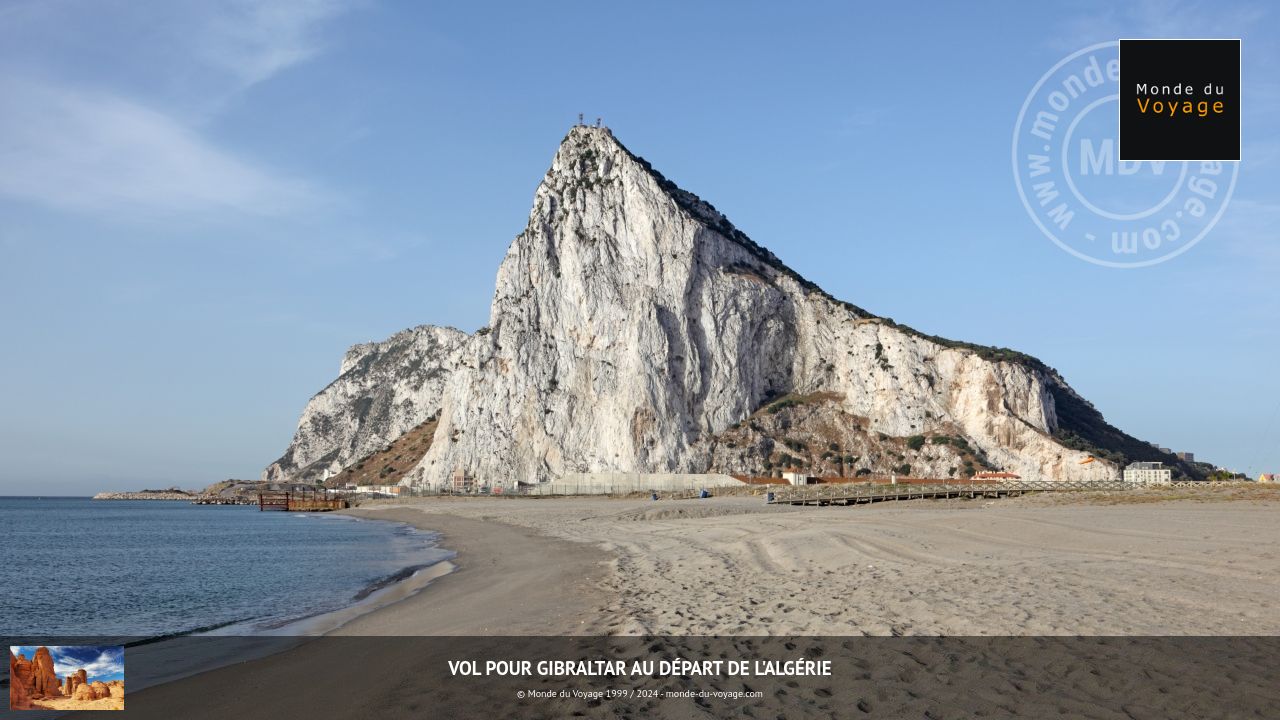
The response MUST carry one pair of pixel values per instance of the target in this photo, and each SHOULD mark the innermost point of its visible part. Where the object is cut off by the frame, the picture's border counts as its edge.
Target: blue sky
(100, 662)
(202, 204)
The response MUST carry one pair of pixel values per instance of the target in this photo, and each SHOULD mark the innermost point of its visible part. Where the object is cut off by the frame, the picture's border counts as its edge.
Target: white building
(1148, 473)
(383, 490)
(795, 477)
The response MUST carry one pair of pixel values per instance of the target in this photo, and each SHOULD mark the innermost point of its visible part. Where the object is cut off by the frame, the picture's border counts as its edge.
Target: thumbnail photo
(66, 677)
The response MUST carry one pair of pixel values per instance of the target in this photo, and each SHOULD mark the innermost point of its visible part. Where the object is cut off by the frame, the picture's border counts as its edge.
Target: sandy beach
(1205, 564)
(505, 582)
(1030, 566)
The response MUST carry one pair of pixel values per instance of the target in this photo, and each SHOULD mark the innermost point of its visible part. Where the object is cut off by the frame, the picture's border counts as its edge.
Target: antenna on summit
(580, 119)
(597, 122)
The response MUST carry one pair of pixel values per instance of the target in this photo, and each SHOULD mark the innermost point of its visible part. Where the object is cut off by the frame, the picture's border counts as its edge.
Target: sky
(101, 663)
(203, 204)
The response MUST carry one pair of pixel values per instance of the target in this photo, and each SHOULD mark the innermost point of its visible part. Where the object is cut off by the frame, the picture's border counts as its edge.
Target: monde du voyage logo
(1125, 153)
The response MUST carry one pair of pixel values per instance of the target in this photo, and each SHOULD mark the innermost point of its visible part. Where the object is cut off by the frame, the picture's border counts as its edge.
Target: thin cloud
(136, 149)
(256, 40)
(82, 150)
(106, 663)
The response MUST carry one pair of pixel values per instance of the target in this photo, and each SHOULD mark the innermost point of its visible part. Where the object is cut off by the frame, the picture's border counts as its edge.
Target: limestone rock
(383, 390)
(634, 328)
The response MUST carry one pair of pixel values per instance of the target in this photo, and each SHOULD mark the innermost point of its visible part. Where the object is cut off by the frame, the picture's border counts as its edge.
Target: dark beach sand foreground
(584, 566)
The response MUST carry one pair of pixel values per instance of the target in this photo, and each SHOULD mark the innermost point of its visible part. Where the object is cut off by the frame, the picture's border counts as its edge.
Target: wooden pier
(862, 493)
(303, 501)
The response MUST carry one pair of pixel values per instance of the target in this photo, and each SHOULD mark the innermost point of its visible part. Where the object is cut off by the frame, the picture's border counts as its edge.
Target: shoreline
(467, 541)
(1018, 571)
(180, 656)
(490, 585)
(381, 592)
(504, 580)
(498, 573)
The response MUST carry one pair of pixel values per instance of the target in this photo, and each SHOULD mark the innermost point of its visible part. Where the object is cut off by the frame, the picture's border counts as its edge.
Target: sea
(149, 568)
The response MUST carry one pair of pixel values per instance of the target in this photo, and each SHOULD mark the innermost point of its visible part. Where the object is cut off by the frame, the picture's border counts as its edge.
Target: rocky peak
(634, 328)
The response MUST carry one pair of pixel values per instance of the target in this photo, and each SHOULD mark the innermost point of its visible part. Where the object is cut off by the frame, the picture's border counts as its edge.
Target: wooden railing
(301, 502)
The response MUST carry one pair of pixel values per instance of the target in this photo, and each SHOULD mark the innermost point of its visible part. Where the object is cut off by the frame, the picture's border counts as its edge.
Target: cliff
(634, 328)
(383, 390)
(33, 679)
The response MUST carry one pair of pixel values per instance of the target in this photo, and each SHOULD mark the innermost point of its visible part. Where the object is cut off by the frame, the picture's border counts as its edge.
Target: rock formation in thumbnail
(73, 681)
(19, 682)
(33, 685)
(44, 681)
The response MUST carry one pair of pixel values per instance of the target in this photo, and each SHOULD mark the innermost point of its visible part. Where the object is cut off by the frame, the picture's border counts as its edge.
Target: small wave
(395, 577)
(204, 629)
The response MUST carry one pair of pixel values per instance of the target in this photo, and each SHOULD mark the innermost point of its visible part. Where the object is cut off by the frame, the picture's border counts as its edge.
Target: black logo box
(1186, 67)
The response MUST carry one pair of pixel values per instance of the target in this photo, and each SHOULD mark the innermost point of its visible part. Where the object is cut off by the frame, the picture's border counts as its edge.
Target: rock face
(96, 690)
(20, 669)
(383, 390)
(32, 679)
(75, 680)
(19, 682)
(633, 328)
(44, 681)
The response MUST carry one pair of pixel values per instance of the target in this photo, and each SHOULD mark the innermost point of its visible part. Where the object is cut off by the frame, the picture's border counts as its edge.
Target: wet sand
(507, 581)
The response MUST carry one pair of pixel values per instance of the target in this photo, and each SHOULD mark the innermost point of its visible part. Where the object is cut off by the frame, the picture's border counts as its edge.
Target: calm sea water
(74, 566)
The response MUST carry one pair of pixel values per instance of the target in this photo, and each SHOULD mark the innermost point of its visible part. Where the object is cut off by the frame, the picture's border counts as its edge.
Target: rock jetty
(170, 494)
